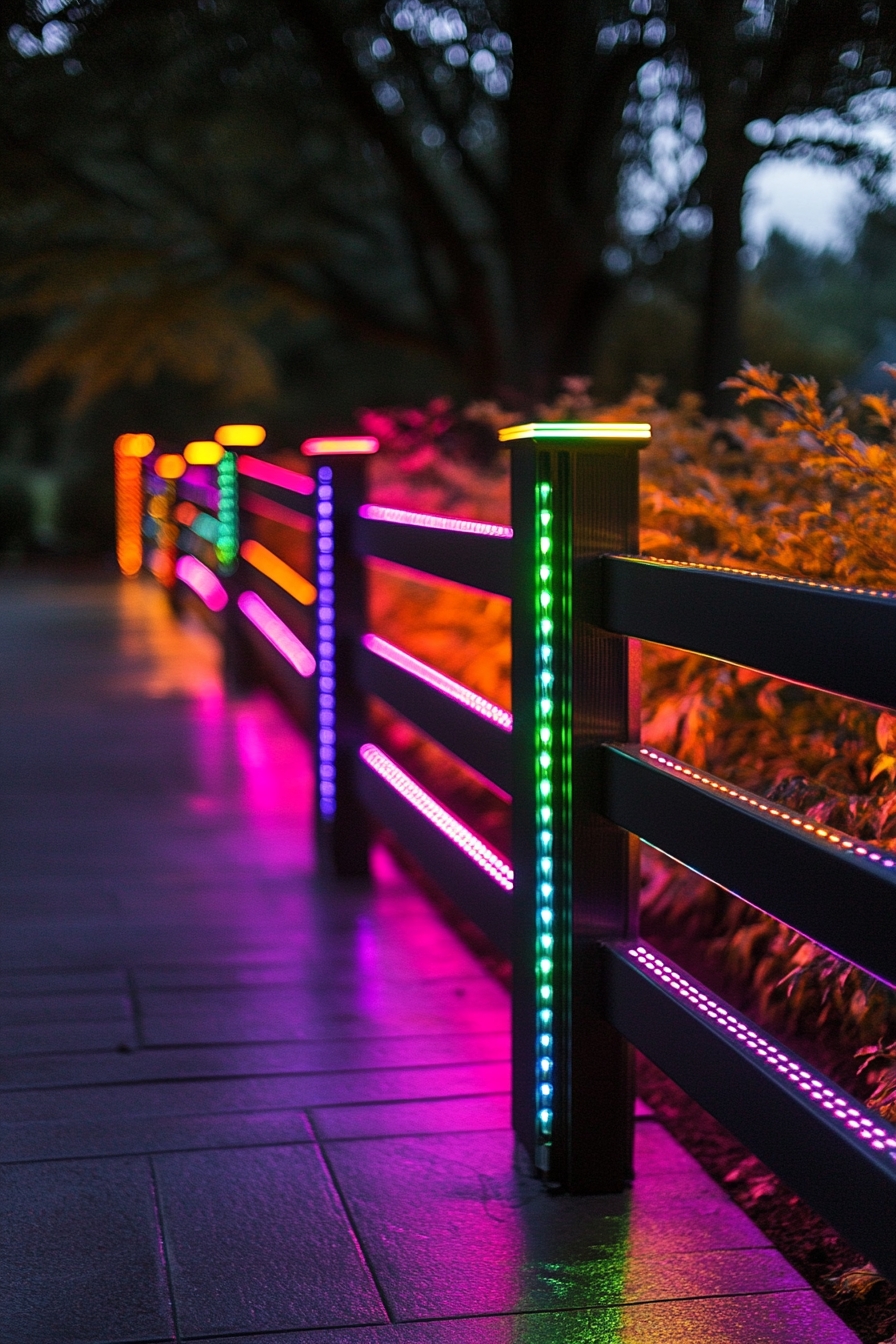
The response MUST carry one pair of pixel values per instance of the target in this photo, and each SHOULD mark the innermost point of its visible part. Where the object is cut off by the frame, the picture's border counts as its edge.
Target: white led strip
(497, 867)
(826, 833)
(770, 578)
(837, 1105)
(440, 682)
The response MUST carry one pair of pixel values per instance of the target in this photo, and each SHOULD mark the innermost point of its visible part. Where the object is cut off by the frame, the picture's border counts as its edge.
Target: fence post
(343, 829)
(575, 496)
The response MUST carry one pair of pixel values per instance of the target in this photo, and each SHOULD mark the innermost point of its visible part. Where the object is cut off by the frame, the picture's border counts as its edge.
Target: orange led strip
(269, 564)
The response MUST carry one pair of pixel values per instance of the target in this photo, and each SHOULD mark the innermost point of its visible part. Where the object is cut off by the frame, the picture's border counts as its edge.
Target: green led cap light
(228, 541)
(560, 429)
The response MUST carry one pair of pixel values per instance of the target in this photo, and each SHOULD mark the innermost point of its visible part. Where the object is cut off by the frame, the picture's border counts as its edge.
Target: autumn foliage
(790, 486)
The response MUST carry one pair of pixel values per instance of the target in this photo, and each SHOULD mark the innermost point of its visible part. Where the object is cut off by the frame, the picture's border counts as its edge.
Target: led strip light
(269, 472)
(574, 429)
(128, 512)
(470, 526)
(844, 842)
(276, 632)
(228, 543)
(769, 578)
(478, 704)
(326, 646)
(279, 572)
(202, 581)
(863, 1124)
(545, 728)
(492, 863)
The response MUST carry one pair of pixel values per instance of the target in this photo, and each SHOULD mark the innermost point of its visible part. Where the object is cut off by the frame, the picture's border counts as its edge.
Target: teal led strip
(545, 732)
(228, 543)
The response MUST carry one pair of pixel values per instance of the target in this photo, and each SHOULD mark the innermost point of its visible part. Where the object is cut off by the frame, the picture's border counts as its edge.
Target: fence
(564, 905)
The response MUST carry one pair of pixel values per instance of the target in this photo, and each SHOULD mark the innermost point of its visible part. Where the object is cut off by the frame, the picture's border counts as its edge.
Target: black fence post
(575, 496)
(343, 828)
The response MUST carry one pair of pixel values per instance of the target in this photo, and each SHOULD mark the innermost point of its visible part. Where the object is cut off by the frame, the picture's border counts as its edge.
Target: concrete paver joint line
(306, 1134)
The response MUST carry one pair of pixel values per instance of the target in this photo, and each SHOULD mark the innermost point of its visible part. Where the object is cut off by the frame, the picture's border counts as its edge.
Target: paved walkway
(236, 1103)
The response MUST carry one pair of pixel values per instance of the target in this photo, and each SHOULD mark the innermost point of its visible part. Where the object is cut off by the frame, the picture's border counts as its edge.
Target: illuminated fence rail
(476, 731)
(834, 889)
(564, 904)
(595, 792)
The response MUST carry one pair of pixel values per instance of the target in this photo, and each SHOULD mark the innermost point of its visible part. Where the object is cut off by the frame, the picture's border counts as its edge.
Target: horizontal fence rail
(463, 551)
(819, 1140)
(467, 724)
(836, 890)
(477, 878)
(823, 635)
(584, 792)
(473, 729)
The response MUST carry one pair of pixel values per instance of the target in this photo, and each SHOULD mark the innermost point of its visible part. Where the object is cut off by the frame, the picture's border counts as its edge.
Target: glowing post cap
(571, 429)
(240, 436)
(170, 466)
(340, 444)
(203, 453)
(134, 445)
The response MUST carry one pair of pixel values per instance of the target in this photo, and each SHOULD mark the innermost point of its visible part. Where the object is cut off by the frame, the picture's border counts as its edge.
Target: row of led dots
(439, 682)
(544, 813)
(774, 578)
(839, 1106)
(326, 645)
(821, 832)
(487, 859)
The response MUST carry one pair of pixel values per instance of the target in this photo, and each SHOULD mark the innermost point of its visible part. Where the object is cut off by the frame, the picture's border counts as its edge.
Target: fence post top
(585, 434)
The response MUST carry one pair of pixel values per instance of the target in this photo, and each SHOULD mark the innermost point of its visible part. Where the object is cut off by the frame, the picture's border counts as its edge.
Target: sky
(817, 205)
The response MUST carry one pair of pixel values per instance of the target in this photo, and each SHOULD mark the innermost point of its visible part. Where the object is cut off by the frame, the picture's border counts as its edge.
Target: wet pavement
(237, 1101)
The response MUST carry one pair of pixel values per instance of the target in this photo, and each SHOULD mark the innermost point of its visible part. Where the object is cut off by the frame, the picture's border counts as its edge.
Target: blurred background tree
(286, 208)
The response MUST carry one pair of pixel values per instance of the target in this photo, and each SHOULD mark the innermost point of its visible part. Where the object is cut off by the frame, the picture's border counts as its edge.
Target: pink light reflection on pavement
(401, 940)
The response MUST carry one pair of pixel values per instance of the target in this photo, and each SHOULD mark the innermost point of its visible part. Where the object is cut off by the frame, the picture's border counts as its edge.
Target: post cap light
(240, 436)
(203, 453)
(339, 444)
(560, 429)
(170, 466)
(134, 445)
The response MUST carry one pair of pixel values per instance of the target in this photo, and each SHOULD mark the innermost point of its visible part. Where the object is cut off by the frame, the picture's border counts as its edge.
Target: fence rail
(825, 635)
(463, 551)
(584, 792)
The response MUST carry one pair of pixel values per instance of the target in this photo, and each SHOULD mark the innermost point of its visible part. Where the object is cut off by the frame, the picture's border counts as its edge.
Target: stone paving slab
(241, 1103)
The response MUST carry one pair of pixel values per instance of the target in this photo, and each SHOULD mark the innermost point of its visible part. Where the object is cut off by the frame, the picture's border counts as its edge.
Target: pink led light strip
(470, 526)
(439, 682)
(770, 578)
(832, 837)
(864, 1125)
(497, 867)
(206, 585)
(258, 470)
(277, 633)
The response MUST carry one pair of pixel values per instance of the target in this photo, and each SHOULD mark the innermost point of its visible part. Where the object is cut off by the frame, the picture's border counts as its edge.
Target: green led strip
(545, 732)
(228, 543)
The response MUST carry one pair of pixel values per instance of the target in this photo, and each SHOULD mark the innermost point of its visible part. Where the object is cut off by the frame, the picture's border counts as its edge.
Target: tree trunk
(721, 337)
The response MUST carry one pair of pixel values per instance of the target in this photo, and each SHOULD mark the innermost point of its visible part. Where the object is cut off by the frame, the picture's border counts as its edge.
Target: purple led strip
(440, 682)
(781, 814)
(470, 526)
(863, 1124)
(492, 863)
(770, 578)
(277, 632)
(326, 646)
(258, 470)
